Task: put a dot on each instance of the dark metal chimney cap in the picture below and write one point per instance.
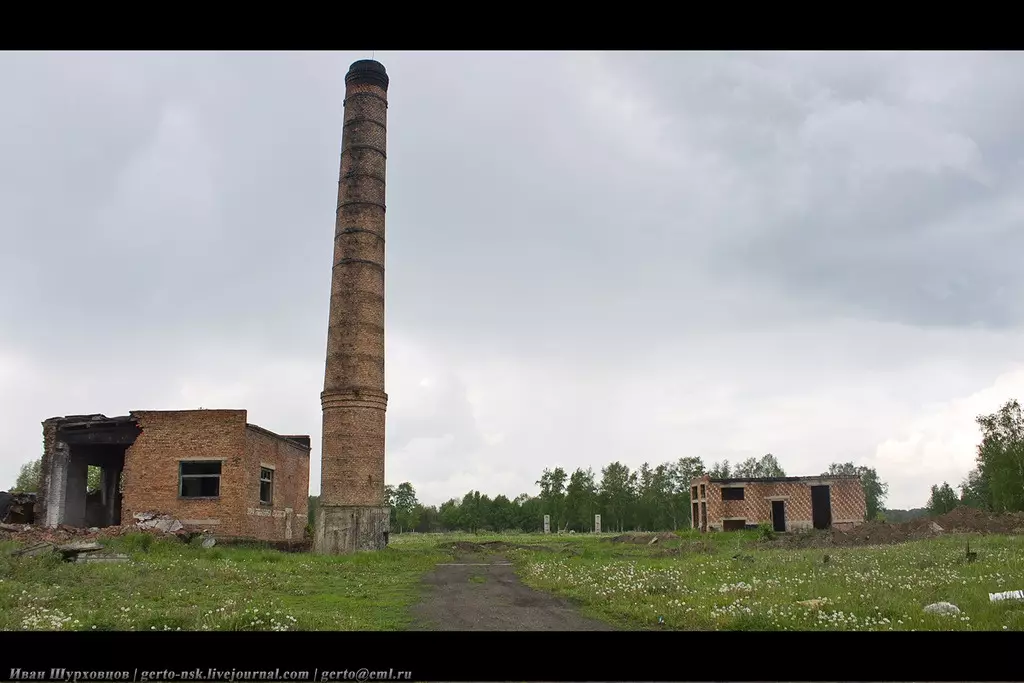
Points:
(367, 71)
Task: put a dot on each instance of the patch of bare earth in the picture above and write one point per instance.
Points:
(479, 591)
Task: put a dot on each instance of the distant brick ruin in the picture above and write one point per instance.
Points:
(787, 503)
(209, 469)
(352, 515)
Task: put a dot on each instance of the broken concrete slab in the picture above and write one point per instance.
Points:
(101, 557)
(936, 528)
(79, 547)
(209, 542)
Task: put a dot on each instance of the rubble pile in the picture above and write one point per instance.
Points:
(153, 521)
(147, 522)
(70, 552)
(17, 507)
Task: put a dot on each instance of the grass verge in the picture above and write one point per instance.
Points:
(168, 585)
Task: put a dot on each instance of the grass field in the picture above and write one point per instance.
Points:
(171, 586)
(722, 582)
(727, 585)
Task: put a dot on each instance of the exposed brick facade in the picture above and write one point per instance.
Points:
(152, 468)
(792, 495)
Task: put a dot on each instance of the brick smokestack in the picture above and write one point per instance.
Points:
(352, 514)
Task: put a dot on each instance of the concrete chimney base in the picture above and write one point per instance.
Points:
(343, 529)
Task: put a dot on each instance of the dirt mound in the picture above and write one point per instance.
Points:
(979, 521)
(644, 538)
(482, 547)
(462, 547)
(960, 520)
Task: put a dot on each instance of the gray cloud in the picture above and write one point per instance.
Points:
(591, 257)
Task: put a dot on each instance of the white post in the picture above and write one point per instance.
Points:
(547, 524)
(597, 524)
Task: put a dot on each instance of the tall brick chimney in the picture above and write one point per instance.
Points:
(352, 515)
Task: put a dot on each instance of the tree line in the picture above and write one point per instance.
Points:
(996, 484)
(643, 499)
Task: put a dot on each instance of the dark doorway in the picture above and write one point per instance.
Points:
(734, 524)
(779, 515)
(696, 516)
(703, 516)
(821, 507)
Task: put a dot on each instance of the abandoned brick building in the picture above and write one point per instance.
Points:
(210, 469)
(787, 503)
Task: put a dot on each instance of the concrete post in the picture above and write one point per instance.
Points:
(597, 524)
(547, 524)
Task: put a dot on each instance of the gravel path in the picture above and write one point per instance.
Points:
(482, 593)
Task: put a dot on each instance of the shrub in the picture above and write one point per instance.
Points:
(765, 532)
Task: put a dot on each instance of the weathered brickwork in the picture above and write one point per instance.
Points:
(352, 515)
(848, 504)
(285, 516)
(168, 438)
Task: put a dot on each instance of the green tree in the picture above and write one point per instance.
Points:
(581, 500)
(29, 477)
(502, 514)
(875, 490)
(617, 494)
(974, 490)
(93, 478)
(1001, 458)
(449, 515)
(529, 513)
(942, 500)
(427, 519)
(404, 506)
(473, 512)
(655, 491)
(688, 469)
(720, 470)
(552, 493)
(765, 466)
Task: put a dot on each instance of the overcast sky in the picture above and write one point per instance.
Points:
(591, 257)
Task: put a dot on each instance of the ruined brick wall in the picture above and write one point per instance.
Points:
(285, 518)
(849, 504)
(847, 500)
(354, 402)
(151, 467)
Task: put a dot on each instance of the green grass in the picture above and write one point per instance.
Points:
(170, 586)
(726, 582)
(696, 582)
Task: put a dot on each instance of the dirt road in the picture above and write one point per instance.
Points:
(481, 592)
